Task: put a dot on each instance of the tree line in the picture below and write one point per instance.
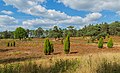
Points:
(95, 31)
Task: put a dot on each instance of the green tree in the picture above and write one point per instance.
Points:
(51, 47)
(20, 33)
(48, 47)
(71, 31)
(55, 32)
(110, 43)
(39, 32)
(6, 34)
(67, 44)
(100, 43)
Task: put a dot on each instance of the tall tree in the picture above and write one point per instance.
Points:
(20, 33)
(6, 34)
(39, 32)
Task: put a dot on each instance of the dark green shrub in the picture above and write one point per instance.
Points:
(29, 39)
(11, 44)
(48, 47)
(110, 43)
(100, 43)
(67, 44)
(8, 44)
(62, 41)
(14, 44)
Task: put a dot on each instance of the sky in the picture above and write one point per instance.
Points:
(31, 14)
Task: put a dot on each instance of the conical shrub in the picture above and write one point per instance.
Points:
(48, 47)
(110, 43)
(100, 43)
(67, 44)
(8, 44)
(14, 44)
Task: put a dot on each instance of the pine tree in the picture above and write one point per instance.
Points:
(14, 43)
(100, 43)
(48, 47)
(67, 44)
(51, 45)
(110, 43)
(8, 44)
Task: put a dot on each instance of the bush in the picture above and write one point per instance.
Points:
(48, 47)
(110, 43)
(67, 45)
(29, 39)
(11, 44)
(8, 44)
(100, 43)
(61, 41)
(14, 43)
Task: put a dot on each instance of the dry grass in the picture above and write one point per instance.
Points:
(87, 57)
(91, 63)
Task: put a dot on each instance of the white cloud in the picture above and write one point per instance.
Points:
(48, 17)
(76, 20)
(92, 17)
(7, 12)
(92, 5)
(6, 22)
(33, 7)
(118, 12)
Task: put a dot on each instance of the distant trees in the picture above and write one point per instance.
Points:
(71, 31)
(55, 32)
(39, 32)
(94, 31)
(20, 33)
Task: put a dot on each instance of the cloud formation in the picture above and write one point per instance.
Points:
(76, 20)
(49, 17)
(7, 21)
(92, 5)
(7, 12)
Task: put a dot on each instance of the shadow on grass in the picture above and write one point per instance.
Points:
(10, 60)
(73, 52)
(57, 53)
(5, 50)
(109, 67)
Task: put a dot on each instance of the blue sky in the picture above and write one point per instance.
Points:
(48, 13)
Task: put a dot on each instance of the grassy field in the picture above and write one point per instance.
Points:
(28, 57)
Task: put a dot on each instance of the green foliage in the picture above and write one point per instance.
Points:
(20, 33)
(67, 44)
(110, 43)
(39, 32)
(29, 39)
(11, 44)
(51, 46)
(48, 47)
(62, 41)
(8, 44)
(100, 43)
(14, 44)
